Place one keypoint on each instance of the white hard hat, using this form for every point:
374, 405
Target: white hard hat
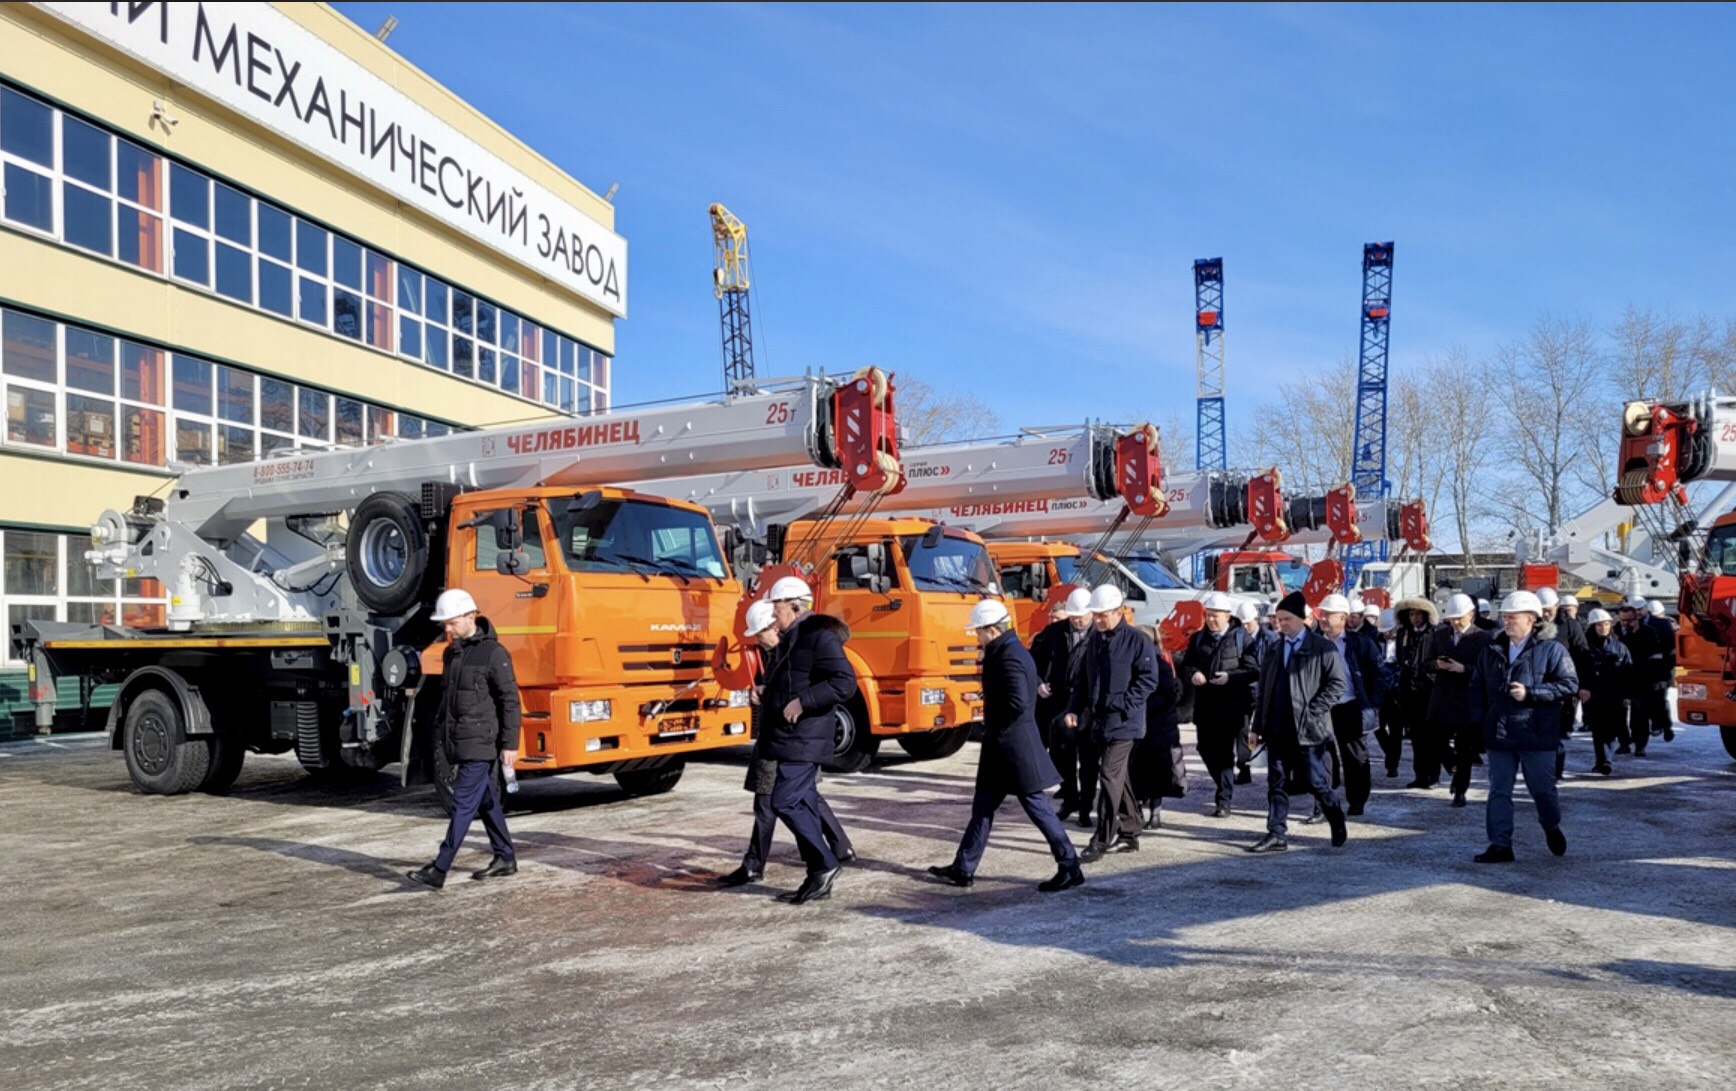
1218, 602
1482, 606
1598, 615
1106, 599
1548, 597
454, 603
1458, 606
1635, 603
1657, 608
1334, 604
1370, 610
1522, 602
1357, 606
789, 589
1247, 611
759, 618
1078, 603
1388, 620
987, 612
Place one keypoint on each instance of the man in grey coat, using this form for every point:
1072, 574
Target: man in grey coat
1300, 680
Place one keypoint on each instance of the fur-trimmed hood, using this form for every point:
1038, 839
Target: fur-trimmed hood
1428, 608
826, 623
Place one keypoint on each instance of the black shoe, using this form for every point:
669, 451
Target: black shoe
1065, 879
1557, 841
1458, 799
1221, 811
953, 875
1313, 817
1669, 734
1494, 854
1122, 844
497, 868
845, 857
1605, 769
1084, 820
1269, 843
1354, 812
1244, 775
814, 888
1419, 783
1065, 811
1390, 773
428, 875
1335, 819
741, 876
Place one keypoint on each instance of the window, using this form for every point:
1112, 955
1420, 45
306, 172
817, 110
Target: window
27, 348
636, 536
26, 128
489, 547
47, 578
32, 563
316, 415
276, 405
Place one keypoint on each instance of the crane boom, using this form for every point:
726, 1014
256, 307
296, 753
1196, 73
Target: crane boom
732, 280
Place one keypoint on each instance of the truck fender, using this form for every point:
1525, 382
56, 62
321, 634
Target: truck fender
187, 696
867, 688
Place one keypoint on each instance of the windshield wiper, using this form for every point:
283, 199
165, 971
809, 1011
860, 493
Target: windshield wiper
630, 560
689, 566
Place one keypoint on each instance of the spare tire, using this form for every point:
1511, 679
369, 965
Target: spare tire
386, 553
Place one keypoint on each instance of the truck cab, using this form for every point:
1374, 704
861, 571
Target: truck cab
1266, 575
1031, 573
905, 587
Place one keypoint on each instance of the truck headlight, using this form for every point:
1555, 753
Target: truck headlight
738, 698
1691, 691
933, 697
971, 698
585, 712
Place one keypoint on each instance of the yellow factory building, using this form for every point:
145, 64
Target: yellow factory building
229, 230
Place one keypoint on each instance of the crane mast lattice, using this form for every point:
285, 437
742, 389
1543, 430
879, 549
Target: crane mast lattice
1368, 455
732, 280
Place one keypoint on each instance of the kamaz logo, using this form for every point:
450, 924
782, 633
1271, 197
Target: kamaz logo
682, 628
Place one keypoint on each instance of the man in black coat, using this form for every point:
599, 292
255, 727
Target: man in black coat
1059, 654
1604, 686
1219, 668
1650, 679
1570, 634
1664, 629
1417, 618
1454, 649
804, 687
1120, 674
1357, 713
1013, 761
1299, 683
1261, 638
478, 725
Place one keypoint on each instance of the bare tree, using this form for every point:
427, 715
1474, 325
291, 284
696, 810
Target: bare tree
1308, 433
928, 414
1547, 382
1458, 430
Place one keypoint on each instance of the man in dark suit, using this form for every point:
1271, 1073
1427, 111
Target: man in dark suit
1300, 682
1356, 713
1658, 620
1650, 678
1013, 760
804, 687
1059, 653
1219, 667
1120, 673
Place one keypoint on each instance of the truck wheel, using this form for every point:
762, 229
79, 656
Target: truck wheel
853, 745
386, 552
161, 759
1729, 736
934, 745
227, 754
651, 782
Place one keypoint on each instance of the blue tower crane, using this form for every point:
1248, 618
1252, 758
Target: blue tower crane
1368, 456
1209, 447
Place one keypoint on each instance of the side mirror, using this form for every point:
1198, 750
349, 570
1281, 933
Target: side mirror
860, 567
584, 501
508, 536
933, 536
512, 562
1039, 582
879, 584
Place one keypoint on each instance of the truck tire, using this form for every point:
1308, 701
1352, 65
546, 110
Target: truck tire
853, 745
934, 745
651, 782
161, 759
386, 553
228, 752
1729, 736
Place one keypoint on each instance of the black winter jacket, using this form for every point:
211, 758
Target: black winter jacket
810, 666
1651, 670
1013, 760
1570, 634
1608, 673
1546, 672
1060, 665
479, 710
1316, 680
1210, 654
1120, 674
1450, 701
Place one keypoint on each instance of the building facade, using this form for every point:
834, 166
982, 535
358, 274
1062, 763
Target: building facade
229, 231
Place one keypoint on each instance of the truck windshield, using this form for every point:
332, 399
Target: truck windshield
1067, 567
1154, 575
635, 536
955, 564
1294, 574
1721, 550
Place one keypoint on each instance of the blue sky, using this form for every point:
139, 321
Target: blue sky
1010, 199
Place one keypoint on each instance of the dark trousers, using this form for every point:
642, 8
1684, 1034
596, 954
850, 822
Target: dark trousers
1433, 747
1352, 753
1391, 735
1658, 705
796, 800
1216, 741
1117, 808
1244, 752
1504, 768
1064, 752
1607, 719
1641, 719
982, 819
1467, 742
1090, 770
1312, 764
765, 823
473, 794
